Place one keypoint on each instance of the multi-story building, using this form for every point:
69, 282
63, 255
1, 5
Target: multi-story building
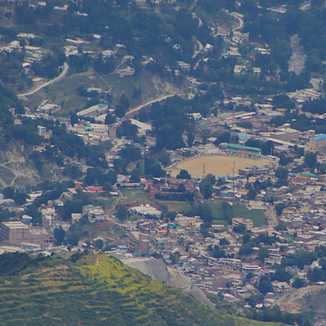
14, 231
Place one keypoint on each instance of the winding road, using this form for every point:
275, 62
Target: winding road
239, 18
132, 112
61, 76
140, 107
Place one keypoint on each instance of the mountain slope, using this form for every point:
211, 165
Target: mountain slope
96, 290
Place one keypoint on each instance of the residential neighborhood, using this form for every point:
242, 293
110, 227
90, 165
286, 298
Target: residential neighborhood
203, 149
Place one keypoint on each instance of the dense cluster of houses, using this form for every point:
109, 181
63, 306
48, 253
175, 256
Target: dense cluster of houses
213, 259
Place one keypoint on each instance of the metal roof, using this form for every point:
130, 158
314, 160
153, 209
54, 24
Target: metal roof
320, 137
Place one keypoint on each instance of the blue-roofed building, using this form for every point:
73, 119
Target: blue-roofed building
318, 143
243, 137
320, 138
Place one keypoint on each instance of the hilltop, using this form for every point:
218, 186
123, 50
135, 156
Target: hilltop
94, 290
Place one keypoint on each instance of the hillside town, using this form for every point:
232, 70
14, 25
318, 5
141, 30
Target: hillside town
235, 201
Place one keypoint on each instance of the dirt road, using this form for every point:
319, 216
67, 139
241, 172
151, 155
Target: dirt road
61, 76
131, 113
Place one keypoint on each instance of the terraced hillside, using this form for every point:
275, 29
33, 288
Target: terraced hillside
96, 290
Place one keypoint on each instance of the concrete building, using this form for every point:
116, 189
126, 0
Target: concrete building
145, 211
18, 233
318, 143
14, 231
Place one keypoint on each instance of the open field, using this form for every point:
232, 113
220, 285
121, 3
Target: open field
219, 165
238, 210
183, 207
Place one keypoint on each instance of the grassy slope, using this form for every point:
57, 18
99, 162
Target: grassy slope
66, 94
97, 290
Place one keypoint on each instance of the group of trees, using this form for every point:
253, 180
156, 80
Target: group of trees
99, 177
276, 30
170, 123
48, 67
276, 315
316, 106
184, 174
9, 131
206, 186
265, 146
249, 242
128, 130
302, 258
17, 195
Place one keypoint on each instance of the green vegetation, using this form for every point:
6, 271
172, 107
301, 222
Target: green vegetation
237, 210
98, 290
135, 195
183, 207
67, 92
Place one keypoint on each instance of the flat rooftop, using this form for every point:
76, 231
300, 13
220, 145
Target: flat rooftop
15, 225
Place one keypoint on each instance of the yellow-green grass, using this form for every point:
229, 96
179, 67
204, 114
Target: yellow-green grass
99, 290
219, 165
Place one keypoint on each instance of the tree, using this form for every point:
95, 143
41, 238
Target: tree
59, 235
300, 259
130, 153
164, 158
171, 216
216, 251
20, 197
184, 174
71, 206
282, 174
8, 192
121, 212
206, 213
127, 130
190, 138
99, 244
262, 254
252, 193
240, 228
246, 249
298, 283
93, 177
281, 275
227, 212
223, 137
265, 285
17, 195
135, 175
74, 119
206, 186
122, 106
267, 148
153, 168
310, 160
72, 171
109, 178
224, 242
320, 251
110, 119
283, 101
204, 230
279, 207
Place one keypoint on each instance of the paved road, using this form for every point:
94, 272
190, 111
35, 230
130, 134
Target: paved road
137, 109
240, 21
61, 76
140, 107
